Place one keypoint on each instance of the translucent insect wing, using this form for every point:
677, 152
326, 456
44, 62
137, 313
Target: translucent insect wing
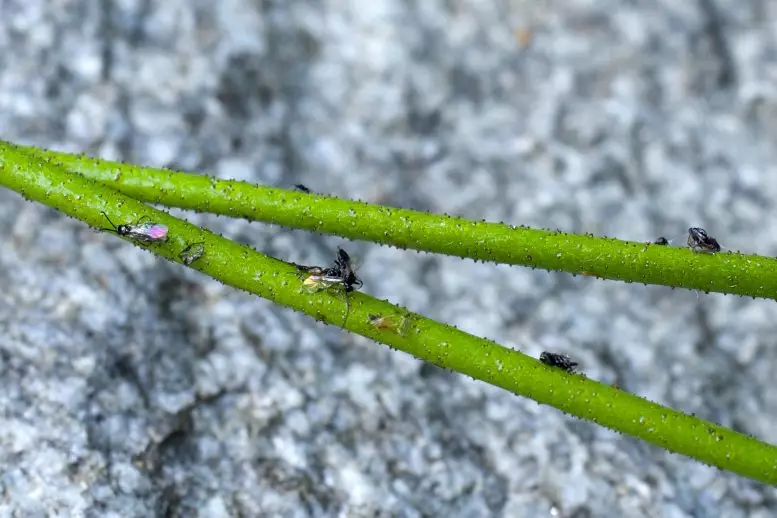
313, 282
155, 231
356, 262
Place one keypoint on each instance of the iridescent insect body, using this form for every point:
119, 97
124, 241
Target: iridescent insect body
700, 241
341, 273
561, 361
191, 253
144, 232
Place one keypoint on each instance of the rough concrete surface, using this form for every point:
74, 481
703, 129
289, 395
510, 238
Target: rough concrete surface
133, 387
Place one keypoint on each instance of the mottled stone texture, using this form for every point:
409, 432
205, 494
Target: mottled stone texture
135, 388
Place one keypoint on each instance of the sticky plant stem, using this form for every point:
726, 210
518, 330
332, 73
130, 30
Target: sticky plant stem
244, 268
606, 258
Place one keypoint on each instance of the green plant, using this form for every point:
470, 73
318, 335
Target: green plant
84, 188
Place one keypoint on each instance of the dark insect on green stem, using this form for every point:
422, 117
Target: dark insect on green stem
340, 273
562, 361
699, 241
736, 273
50, 178
145, 232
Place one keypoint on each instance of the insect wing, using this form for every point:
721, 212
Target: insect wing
157, 232
313, 282
356, 262
146, 232
353, 264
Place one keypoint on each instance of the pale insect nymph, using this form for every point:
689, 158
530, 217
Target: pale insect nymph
145, 232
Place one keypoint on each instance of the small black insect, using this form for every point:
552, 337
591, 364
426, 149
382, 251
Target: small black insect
341, 273
144, 232
562, 361
302, 188
699, 241
661, 241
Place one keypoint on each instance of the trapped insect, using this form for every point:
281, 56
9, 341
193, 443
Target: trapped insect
145, 232
661, 241
562, 361
396, 323
191, 253
341, 273
699, 241
344, 271
302, 188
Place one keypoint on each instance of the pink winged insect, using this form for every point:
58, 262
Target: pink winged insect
145, 232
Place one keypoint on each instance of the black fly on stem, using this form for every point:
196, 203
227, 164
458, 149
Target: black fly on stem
700, 241
341, 273
561, 361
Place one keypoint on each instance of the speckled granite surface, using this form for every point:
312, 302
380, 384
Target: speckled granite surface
135, 388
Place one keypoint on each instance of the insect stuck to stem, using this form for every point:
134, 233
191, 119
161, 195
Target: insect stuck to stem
699, 241
302, 188
661, 241
191, 253
561, 361
144, 232
341, 273
344, 271
397, 323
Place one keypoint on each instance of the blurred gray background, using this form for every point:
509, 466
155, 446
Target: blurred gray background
133, 387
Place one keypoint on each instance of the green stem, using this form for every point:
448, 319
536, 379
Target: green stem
442, 345
628, 261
